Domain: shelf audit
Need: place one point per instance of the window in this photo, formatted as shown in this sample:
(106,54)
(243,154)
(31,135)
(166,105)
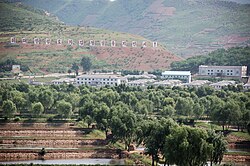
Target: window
(231,70)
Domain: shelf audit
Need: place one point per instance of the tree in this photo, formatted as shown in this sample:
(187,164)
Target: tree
(152,133)
(37,109)
(184,106)
(75,67)
(123,125)
(86,63)
(168,111)
(9,108)
(69,71)
(101,116)
(219,147)
(187,146)
(198,110)
(64,109)
(46,98)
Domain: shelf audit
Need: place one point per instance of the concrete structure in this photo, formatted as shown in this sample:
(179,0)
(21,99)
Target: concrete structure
(100,80)
(221,84)
(223,71)
(184,76)
(197,83)
(141,82)
(63,81)
(170,83)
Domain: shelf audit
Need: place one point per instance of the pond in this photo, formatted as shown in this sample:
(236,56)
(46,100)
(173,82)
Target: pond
(71,161)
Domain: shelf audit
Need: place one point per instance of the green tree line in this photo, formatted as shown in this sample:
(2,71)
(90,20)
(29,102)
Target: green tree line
(143,116)
(238,56)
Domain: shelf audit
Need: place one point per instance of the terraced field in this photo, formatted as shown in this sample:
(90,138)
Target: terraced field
(24,141)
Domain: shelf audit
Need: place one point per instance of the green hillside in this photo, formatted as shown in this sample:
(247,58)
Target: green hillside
(186,27)
(20,21)
(17,16)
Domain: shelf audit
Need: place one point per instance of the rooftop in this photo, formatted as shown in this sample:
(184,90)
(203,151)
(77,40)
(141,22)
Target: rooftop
(223,67)
(176,73)
(100,76)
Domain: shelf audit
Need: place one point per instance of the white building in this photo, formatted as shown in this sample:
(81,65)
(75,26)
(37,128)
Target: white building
(221,84)
(63,81)
(228,71)
(185,76)
(100,80)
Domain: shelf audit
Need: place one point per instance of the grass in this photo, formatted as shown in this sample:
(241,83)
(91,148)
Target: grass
(144,159)
(208,125)
(95,134)
(26,80)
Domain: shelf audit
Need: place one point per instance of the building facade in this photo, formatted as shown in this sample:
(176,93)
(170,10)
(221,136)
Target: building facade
(100,80)
(223,71)
(184,76)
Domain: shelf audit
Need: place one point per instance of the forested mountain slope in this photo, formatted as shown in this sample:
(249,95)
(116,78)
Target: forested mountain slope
(20,21)
(186,27)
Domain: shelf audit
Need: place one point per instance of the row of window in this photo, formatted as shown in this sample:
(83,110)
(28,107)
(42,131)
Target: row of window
(104,83)
(176,76)
(103,79)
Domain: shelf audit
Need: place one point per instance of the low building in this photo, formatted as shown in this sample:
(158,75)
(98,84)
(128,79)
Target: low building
(197,83)
(169,83)
(141,82)
(184,76)
(16,69)
(100,80)
(222,84)
(63,81)
(143,76)
(223,71)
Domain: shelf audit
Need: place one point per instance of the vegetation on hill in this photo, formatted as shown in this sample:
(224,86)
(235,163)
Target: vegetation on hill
(232,57)
(16,17)
(185,27)
(21,21)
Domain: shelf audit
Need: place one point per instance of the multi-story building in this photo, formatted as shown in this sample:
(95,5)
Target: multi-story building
(100,80)
(223,71)
(184,76)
